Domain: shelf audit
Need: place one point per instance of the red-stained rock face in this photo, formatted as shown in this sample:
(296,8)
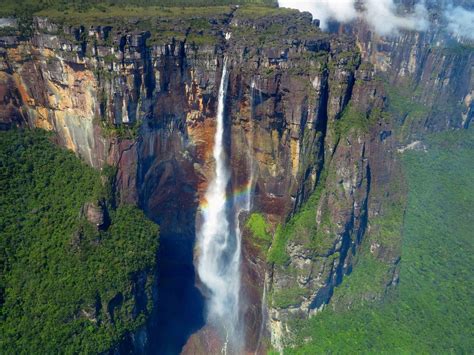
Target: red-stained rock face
(205,341)
(254,268)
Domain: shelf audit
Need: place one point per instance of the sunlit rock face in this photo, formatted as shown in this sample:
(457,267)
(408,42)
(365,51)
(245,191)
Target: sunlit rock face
(149,108)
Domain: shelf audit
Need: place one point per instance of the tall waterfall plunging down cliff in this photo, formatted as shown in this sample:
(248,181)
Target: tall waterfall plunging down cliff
(219,260)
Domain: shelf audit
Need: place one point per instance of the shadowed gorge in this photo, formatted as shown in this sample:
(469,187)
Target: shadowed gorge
(180,305)
(291,171)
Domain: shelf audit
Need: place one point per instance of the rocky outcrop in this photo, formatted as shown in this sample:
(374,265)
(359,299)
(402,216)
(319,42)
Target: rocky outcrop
(96,214)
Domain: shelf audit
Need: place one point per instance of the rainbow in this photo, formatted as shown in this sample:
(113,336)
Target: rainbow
(239,196)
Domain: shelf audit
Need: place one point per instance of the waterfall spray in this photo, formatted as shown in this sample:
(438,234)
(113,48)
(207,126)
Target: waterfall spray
(263,314)
(219,261)
(250,149)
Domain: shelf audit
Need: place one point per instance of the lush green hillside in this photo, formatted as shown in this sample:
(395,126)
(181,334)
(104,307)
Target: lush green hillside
(432,311)
(64,284)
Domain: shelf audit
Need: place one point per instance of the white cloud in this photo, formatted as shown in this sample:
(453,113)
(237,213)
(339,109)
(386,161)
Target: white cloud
(380,14)
(460,22)
(324,10)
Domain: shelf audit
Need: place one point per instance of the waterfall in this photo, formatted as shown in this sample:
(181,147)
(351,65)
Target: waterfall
(219,243)
(250,153)
(263,315)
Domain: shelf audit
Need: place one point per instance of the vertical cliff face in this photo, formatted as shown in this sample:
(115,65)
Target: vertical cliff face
(314,122)
(432,69)
(110,96)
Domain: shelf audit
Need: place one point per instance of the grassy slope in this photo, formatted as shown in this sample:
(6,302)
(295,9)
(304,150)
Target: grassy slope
(302,226)
(49,277)
(432,311)
(259,232)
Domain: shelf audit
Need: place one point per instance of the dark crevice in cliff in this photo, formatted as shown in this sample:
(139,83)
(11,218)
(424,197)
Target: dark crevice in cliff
(83,39)
(348,95)
(230,16)
(150,81)
(322,116)
(321,127)
(364,219)
(280,122)
(470,117)
(322,123)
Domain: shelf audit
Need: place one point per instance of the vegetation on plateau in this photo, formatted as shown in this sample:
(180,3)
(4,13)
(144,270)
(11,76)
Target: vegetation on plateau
(64,283)
(198,22)
(12,7)
(431,312)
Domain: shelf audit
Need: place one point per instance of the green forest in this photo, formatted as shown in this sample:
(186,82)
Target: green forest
(431,311)
(17,7)
(64,283)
